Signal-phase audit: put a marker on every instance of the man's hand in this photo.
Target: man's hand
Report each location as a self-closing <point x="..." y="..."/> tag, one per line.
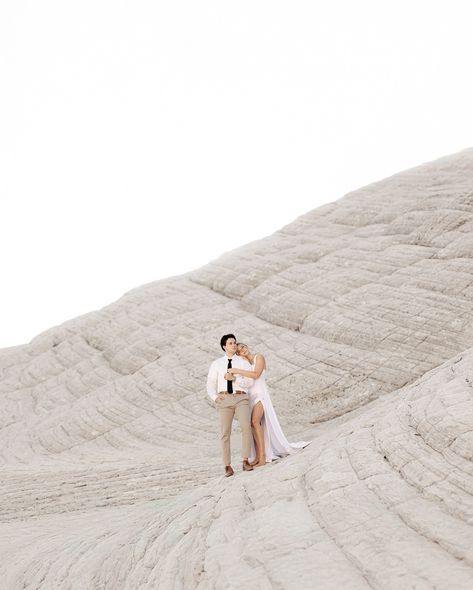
<point x="220" y="396"/>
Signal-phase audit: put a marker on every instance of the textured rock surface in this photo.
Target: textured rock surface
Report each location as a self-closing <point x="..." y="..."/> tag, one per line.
<point x="111" y="474"/>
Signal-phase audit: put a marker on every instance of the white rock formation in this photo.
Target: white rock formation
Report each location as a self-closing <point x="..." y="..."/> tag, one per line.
<point x="111" y="470"/>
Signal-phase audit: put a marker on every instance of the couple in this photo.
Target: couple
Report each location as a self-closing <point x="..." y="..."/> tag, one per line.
<point x="236" y="383"/>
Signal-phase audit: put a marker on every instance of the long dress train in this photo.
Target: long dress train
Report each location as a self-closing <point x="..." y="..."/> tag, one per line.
<point x="275" y="443"/>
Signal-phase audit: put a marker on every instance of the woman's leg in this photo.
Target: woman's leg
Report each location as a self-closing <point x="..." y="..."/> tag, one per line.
<point x="256" y="417"/>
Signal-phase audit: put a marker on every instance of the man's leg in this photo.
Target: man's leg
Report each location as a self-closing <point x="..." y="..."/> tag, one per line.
<point x="226" y="418"/>
<point x="242" y="411"/>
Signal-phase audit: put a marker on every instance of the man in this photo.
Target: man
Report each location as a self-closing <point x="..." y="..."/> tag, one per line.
<point x="230" y="395"/>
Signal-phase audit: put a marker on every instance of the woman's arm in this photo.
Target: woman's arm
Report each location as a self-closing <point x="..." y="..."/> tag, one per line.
<point x="259" y="367"/>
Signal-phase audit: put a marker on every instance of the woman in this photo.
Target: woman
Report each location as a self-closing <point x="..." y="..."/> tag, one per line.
<point x="269" y="439"/>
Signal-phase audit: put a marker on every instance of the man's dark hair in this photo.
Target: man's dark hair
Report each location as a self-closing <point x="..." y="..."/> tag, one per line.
<point x="223" y="340"/>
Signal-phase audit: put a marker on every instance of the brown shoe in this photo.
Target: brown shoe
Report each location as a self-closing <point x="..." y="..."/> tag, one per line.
<point x="228" y="471"/>
<point x="247" y="466"/>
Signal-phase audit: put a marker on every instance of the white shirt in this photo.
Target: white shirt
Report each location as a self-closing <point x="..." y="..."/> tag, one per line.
<point x="216" y="381"/>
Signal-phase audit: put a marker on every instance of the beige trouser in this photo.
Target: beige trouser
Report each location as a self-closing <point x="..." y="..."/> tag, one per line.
<point x="230" y="405"/>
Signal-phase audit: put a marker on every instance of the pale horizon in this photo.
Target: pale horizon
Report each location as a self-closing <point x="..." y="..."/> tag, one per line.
<point x="142" y="142"/>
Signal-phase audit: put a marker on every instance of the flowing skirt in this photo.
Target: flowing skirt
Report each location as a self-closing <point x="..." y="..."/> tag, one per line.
<point x="276" y="444"/>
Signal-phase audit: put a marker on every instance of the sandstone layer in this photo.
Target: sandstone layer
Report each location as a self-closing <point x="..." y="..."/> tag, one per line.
<point x="111" y="472"/>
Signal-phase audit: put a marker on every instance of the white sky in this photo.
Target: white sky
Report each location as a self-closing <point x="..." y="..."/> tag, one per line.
<point x="142" y="139"/>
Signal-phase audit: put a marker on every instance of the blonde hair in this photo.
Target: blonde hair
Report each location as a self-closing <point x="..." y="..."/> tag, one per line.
<point x="241" y="344"/>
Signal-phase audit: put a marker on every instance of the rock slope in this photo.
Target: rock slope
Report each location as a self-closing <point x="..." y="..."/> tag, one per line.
<point x="108" y="445"/>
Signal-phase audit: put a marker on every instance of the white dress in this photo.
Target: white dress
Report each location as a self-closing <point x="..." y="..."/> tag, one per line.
<point x="275" y="443"/>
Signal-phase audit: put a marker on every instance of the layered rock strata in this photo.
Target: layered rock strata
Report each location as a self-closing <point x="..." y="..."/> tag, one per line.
<point x="111" y="474"/>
